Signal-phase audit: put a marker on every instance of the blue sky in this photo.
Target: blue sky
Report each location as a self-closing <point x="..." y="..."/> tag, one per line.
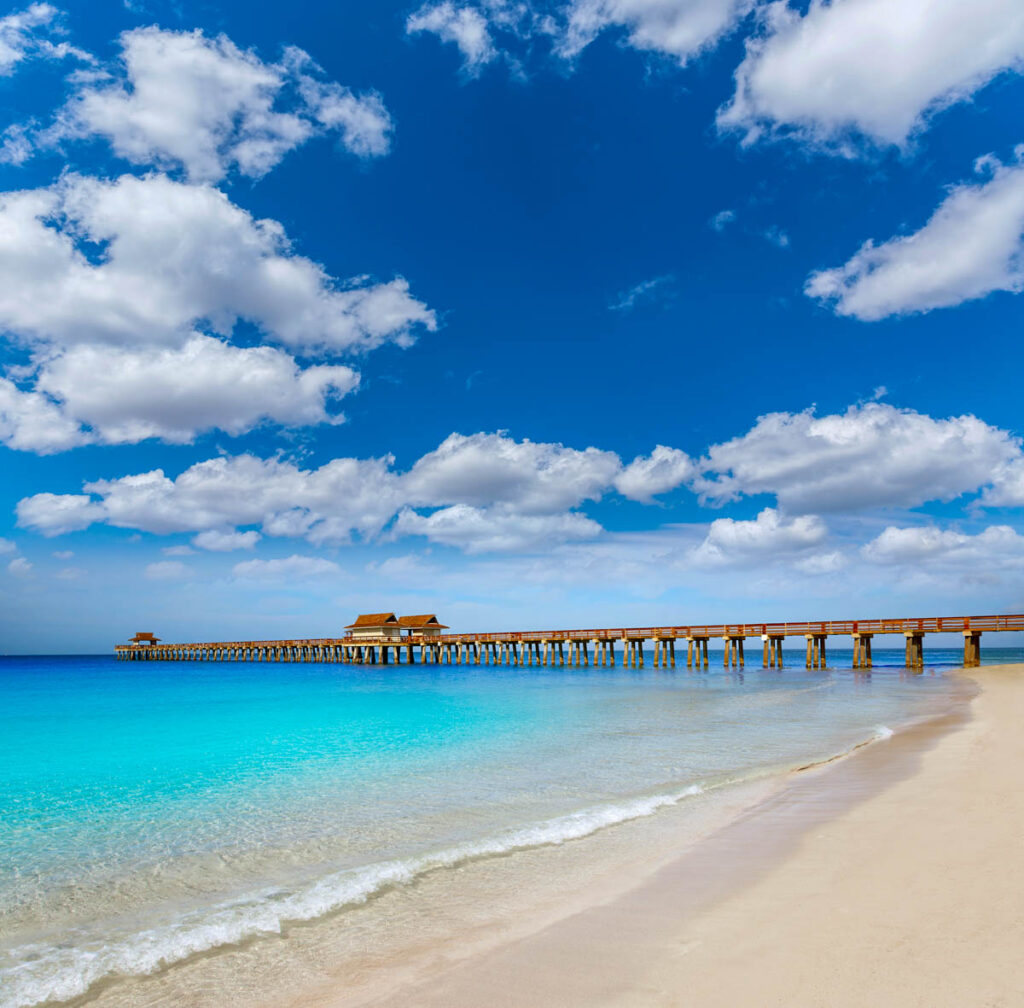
<point x="602" y="312"/>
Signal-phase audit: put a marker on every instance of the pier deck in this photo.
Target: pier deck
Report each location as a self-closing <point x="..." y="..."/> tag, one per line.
<point x="573" y="647"/>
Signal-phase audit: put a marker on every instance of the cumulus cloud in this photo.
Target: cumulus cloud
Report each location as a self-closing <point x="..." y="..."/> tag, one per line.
<point x="31" y="33"/>
<point x="997" y="546"/>
<point x="167" y="570"/>
<point x="876" y="68"/>
<point x="293" y="568"/>
<point x="498" y="528"/>
<point x="466" y="26"/>
<point x="325" y="504"/>
<point x="873" y="455"/>
<point x="30" y="421"/>
<point x="972" y="245"/>
<point x="1007" y="489"/>
<point x="127" y="395"/>
<point x="6" y="546"/>
<point x="116" y="352"/>
<point x="681" y="29"/>
<point x="183" y="100"/>
<point x="19" y="567"/>
<point x="537" y="477"/>
<point x="483" y="491"/>
<point x="649" y="475"/>
<point x="174" y="256"/>
<point x="57" y="514"/>
<point x="768" y="536"/>
<point x="219" y="541"/>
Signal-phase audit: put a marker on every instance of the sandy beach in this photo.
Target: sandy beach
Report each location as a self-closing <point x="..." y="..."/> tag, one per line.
<point x="891" y="878"/>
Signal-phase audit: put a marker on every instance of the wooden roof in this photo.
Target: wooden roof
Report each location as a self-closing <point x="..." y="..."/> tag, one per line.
<point x="421" y="621"/>
<point x="144" y="636"/>
<point x="373" y="620"/>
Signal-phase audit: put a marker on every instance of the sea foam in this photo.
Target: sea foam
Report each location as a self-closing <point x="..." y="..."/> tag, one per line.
<point x="60" y="973"/>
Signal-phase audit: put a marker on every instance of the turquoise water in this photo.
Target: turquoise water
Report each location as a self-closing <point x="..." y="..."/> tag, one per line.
<point x="153" y="811"/>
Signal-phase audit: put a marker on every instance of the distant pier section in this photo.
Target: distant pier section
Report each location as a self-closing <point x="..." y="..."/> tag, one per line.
<point x="384" y="638"/>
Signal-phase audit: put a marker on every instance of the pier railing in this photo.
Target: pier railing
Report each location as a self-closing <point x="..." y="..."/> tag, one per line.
<point x="548" y="646"/>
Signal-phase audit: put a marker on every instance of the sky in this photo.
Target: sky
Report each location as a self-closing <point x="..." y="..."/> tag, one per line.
<point x="531" y="314"/>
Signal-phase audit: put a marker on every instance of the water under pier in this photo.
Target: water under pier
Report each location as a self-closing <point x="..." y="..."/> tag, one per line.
<point x="591" y="647"/>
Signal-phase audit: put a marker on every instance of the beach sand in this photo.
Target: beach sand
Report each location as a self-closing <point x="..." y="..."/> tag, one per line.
<point x="892" y="878"/>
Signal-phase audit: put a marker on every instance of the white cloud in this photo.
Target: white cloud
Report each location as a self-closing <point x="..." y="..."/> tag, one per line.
<point x="175" y="256"/>
<point x="873" y="455"/>
<point x="997" y="546"/>
<point x="71" y="574"/>
<point x="769" y="536"/>
<point x="722" y="220"/>
<point x="56" y="514"/>
<point x="1007" y="489"/>
<point x="363" y="121"/>
<point x="498" y="483"/>
<point x="180" y="99"/>
<point x="536" y="477"/>
<point x="678" y="28"/>
<point x="30" y="33"/>
<point x="972" y="245"/>
<point x="181" y="550"/>
<point x="466" y="26"/>
<point x="497" y="528"/>
<point x="649" y="475"/>
<point x="6" y="546"/>
<point x="325" y="504"/>
<point x="223" y="542"/>
<point x="30" y="421"/>
<point x="878" y="68"/>
<point x="167" y="570"/>
<point x="647" y="290"/>
<point x="19" y="567"/>
<point x="293" y="568"/>
<point x="127" y="395"/>
<point x="63" y="554"/>
<point x="16" y="147"/>
<point x="117" y="358"/>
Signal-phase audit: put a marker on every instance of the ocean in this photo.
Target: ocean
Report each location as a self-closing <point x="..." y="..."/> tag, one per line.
<point x="152" y="814"/>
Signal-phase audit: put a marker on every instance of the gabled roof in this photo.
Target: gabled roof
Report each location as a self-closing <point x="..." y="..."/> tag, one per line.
<point x="374" y="620"/>
<point x="144" y="636"/>
<point x="415" y="622"/>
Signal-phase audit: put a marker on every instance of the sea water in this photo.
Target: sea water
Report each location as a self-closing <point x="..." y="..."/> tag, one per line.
<point x="155" y="812"/>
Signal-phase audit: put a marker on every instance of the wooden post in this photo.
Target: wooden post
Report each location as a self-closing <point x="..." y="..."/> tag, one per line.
<point x="810" y="650"/>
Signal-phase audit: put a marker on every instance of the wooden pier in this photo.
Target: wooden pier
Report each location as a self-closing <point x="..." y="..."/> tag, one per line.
<point x="578" y="647"/>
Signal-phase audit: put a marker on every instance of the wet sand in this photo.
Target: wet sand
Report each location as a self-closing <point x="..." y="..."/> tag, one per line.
<point x="890" y="878"/>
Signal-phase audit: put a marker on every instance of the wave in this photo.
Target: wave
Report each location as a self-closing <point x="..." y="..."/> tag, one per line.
<point x="58" y="974"/>
<point x="49" y="974"/>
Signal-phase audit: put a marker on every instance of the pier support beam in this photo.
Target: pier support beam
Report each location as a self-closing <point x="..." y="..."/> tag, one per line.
<point x="733" y="651"/>
<point x="862" y="650"/>
<point x="972" y="648"/>
<point x="816" y="651"/>
<point x="696" y="652"/>
<point x="772" y="647"/>
<point x="915" y="649"/>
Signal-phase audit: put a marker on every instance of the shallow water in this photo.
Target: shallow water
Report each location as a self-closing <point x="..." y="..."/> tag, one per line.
<point x="150" y="812"/>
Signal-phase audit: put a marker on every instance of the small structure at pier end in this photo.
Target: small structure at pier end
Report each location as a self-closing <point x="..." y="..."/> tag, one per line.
<point x="144" y="640"/>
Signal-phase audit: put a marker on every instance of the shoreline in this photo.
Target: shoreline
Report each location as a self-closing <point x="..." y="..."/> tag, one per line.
<point x="857" y="881"/>
<point x="418" y="935"/>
